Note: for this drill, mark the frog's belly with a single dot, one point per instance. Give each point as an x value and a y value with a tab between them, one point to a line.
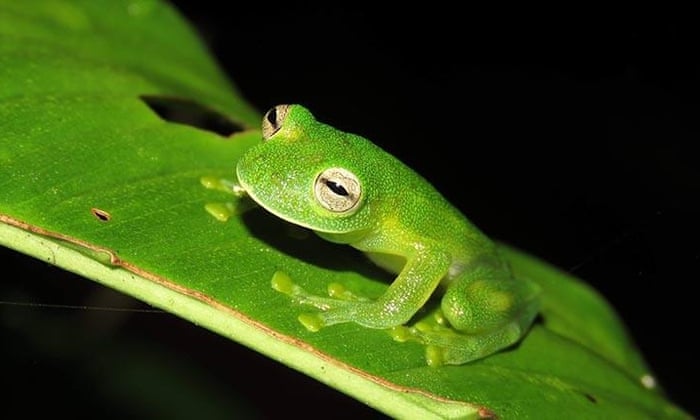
389	262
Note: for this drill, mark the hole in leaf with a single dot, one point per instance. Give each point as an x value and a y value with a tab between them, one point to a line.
101	215
590	397
183	111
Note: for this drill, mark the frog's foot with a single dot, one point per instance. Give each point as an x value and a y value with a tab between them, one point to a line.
446	346
338	298
223	211
222	184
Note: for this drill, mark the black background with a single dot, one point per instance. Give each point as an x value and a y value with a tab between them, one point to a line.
570	137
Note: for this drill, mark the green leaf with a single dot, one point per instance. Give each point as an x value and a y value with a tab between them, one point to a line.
94	181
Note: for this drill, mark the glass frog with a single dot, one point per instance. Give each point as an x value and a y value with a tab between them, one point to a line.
349	191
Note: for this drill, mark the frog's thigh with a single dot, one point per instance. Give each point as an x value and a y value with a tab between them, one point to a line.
488	314
484	301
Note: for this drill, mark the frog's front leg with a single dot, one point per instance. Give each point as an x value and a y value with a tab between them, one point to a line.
223	211
223	184
406	295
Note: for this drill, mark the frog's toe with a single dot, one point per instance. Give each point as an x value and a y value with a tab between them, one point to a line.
284	284
401	333
340	292
311	321
340	297
434	356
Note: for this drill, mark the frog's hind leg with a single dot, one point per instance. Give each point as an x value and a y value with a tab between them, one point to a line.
445	346
478	317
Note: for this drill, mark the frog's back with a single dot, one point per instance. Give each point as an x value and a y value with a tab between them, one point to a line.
405	205
444	222
422	211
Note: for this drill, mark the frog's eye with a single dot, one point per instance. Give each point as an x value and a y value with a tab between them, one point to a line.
338	190
273	120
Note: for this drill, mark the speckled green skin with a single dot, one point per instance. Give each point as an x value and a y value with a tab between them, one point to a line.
402	223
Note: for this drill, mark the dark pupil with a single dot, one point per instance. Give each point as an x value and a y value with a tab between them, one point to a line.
272	117
337	188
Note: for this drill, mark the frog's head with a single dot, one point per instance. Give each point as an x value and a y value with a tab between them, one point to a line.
311	174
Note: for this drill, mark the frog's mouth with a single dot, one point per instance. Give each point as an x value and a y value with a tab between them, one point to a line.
284	214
